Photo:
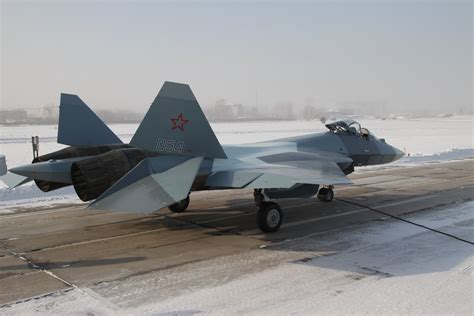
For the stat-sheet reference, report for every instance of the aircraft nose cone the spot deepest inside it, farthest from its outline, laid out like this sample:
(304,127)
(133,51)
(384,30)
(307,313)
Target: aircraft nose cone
(398,153)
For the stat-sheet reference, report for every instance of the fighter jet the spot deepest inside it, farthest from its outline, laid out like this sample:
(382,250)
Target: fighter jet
(174,152)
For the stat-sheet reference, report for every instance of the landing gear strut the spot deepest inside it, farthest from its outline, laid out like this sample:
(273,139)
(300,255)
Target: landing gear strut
(269,214)
(326,194)
(180,206)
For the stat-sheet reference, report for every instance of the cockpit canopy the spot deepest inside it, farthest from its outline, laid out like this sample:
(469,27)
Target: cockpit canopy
(348,127)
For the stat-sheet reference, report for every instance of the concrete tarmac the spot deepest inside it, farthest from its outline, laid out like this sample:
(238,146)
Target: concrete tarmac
(45,250)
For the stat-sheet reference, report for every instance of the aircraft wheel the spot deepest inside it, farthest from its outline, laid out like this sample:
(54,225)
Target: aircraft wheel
(269,217)
(326,194)
(179,207)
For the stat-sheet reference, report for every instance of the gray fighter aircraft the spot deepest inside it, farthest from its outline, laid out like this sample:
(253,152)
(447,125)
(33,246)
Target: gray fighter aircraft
(174,152)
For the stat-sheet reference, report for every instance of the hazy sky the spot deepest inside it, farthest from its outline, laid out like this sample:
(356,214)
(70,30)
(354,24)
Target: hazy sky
(412,54)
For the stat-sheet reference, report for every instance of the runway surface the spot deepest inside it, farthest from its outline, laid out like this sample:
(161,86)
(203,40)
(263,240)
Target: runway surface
(57,249)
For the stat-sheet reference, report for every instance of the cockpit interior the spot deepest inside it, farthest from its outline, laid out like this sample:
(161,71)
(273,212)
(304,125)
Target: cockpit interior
(349,127)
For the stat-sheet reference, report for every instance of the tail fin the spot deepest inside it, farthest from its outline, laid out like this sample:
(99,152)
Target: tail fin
(79,125)
(175,124)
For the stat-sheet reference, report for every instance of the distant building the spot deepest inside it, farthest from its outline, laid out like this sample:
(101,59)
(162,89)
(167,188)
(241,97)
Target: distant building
(13,117)
(43,115)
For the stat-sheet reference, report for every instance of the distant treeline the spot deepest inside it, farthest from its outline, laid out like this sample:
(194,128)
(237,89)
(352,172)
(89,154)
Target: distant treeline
(220,112)
(50,115)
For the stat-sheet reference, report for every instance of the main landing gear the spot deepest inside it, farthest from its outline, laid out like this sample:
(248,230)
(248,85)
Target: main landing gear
(269,214)
(179,207)
(326,194)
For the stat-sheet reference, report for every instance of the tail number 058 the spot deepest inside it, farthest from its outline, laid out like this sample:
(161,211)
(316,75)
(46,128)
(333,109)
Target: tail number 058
(169,145)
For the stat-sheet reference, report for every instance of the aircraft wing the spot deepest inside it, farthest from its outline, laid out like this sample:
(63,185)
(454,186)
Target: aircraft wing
(282,170)
(153,184)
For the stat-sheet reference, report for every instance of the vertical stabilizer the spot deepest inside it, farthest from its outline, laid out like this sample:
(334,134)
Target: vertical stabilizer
(175,124)
(79,125)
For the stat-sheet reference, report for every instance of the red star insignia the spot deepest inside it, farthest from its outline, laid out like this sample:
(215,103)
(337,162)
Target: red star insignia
(179,122)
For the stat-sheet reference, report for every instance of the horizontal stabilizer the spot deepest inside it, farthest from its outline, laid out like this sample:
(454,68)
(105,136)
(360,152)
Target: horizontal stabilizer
(175,124)
(142,190)
(79,125)
(13,180)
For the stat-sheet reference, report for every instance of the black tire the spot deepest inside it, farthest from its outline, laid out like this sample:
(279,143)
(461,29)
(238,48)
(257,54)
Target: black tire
(269,217)
(326,195)
(179,207)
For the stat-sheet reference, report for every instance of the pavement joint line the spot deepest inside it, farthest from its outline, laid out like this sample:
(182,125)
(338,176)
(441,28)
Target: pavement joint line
(97,240)
(409,222)
(172,215)
(182,241)
(297,223)
(55,210)
(236,216)
(301,222)
(23,300)
(224,231)
(218,229)
(250,212)
(414,199)
(354,182)
(225,218)
(139,273)
(35,266)
(376,185)
(282,242)
(132,234)
(138,219)
(30,271)
(155,216)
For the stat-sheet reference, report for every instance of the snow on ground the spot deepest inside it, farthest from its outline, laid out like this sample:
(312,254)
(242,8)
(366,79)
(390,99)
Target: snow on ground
(442,156)
(423,136)
(380,267)
(28,195)
(426,139)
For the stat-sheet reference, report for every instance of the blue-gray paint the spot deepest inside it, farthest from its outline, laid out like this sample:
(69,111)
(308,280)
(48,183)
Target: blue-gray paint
(79,125)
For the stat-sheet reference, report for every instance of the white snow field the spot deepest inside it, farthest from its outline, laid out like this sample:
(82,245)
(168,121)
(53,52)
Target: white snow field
(424,136)
(425,139)
(380,267)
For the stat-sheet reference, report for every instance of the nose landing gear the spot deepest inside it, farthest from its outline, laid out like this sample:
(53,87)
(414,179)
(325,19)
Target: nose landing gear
(326,194)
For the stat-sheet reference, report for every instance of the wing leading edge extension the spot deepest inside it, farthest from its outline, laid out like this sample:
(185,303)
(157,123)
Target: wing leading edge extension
(284,171)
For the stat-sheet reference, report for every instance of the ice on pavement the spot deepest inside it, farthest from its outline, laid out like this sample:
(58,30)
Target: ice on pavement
(380,267)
